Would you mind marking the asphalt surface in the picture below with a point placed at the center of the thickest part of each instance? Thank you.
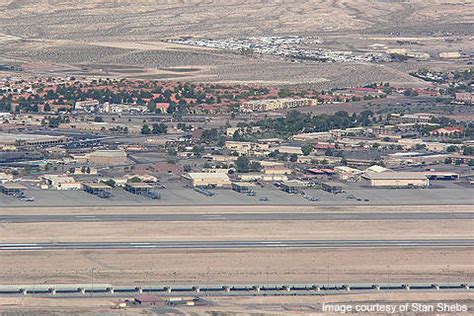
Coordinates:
(422, 243)
(326, 216)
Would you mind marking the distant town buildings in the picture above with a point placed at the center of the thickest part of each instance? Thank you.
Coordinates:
(275, 104)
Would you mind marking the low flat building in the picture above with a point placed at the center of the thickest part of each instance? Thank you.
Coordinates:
(108, 157)
(243, 187)
(28, 140)
(377, 169)
(208, 180)
(332, 187)
(138, 187)
(61, 182)
(245, 148)
(441, 175)
(347, 173)
(275, 104)
(294, 186)
(276, 170)
(4, 177)
(98, 188)
(397, 179)
(12, 188)
(289, 150)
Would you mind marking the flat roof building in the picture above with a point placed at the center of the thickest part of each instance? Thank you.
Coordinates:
(294, 186)
(21, 140)
(61, 182)
(208, 180)
(138, 187)
(10, 188)
(397, 179)
(243, 187)
(108, 157)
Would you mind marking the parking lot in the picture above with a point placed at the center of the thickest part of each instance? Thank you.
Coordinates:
(441, 192)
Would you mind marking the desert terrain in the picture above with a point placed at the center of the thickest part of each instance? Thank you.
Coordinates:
(215, 266)
(125, 38)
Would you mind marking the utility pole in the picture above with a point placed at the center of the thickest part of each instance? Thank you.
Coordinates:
(92, 284)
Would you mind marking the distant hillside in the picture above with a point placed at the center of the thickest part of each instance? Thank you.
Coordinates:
(155, 19)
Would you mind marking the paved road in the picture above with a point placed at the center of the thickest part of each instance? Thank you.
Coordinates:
(422, 243)
(236, 217)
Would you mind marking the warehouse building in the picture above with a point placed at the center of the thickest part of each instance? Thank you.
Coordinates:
(12, 188)
(294, 186)
(208, 180)
(243, 187)
(142, 188)
(332, 187)
(4, 177)
(397, 179)
(26, 140)
(100, 189)
(275, 104)
(138, 187)
(108, 157)
(59, 182)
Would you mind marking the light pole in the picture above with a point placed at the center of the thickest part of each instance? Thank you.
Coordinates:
(388, 276)
(328, 275)
(92, 284)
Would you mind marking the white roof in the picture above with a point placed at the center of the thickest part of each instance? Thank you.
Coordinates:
(377, 169)
(347, 169)
(396, 176)
(207, 175)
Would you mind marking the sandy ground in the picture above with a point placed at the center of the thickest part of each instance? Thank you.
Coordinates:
(213, 209)
(250, 305)
(235, 266)
(261, 230)
(290, 305)
(321, 266)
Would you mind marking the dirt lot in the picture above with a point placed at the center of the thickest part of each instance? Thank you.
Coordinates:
(219, 209)
(287, 305)
(97, 38)
(236, 266)
(227, 230)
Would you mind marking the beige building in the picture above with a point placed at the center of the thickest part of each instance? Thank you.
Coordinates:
(276, 170)
(397, 179)
(108, 157)
(450, 55)
(61, 182)
(289, 150)
(347, 173)
(203, 179)
(262, 177)
(28, 140)
(247, 148)
(275, 104)
(4, 177)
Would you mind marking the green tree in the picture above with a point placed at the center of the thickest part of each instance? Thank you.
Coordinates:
(452, 149)
(145, 129)
(255, 166)
(159, 128)
(307, 149)
(242, 164)
(468, 151)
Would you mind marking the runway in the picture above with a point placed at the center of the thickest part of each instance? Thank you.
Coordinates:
(163, 245)
(320, 216)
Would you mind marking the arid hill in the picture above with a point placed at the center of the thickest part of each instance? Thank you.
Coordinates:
(124, 37)
(155, 19)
